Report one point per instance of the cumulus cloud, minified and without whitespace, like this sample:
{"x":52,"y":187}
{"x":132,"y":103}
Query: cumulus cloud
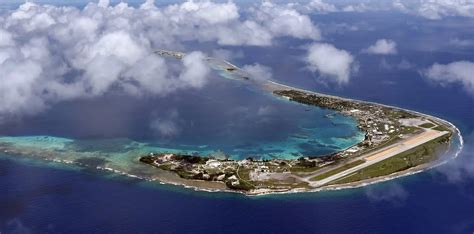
{"x":462,"y":168}
{"x":321,"y":6}
{"x":430,"y":9}
{"x":285,"y":21}
{"x":437,"y":9}
{"x":258,"y":72}
{"x":6,"y":38}
{"x":330,"y":62}
{"x":359,"y":7}
{"x":222,"y":22}
{"x":461,"y":42}
{"x":49,"y":54}
{"x":195,"y":70}
{"x":459,"y":72}
{"x":382,"y":46}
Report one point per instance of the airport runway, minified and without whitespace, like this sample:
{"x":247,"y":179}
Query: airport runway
{"x":385,"y":153}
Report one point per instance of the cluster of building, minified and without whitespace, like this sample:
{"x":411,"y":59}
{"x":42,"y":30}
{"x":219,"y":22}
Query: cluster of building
{"x":176,"y":54}
{"x":379,"y":123}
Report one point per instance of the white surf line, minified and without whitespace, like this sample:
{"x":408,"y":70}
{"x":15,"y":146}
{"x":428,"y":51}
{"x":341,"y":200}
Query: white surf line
{"x":389,"y":152}
{"x":382,"y":179}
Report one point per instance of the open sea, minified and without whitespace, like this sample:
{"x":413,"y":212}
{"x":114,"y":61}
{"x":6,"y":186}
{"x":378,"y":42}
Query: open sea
{"x":230,"y":118}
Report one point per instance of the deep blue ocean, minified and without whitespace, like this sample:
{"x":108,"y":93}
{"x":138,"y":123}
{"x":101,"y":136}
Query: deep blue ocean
{"x":41,"y":197}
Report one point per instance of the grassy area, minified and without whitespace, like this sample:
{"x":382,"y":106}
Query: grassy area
{"x":426,"y":125}
{"x":244,"y":173}
{"x":397,"y":114}
{"x":303,"y":169}
{"x":337,"y":170}
{"x":384,"y":144}
{"x":422,"y":154}
{"x":441,"y":128}
{"x":409,"y":130}
{"x":166,"y":167}
{"x":281,"y":184}
{"x":243,"y":185}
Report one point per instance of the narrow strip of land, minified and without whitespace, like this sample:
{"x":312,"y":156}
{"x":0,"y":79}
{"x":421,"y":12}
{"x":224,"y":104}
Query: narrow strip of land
{"x":383,"y":154}
{"x":395,"y":140}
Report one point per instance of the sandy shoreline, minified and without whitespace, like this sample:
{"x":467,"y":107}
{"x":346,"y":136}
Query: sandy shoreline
{"x":357,"y":184}
{"x":191,"y":184}
{"x":212,"y":186}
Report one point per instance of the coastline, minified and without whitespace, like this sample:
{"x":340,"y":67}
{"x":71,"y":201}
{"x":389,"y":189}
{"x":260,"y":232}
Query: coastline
{"x":354,"y":185}
{"x":365,"y":182}
{"x":270,"y":86}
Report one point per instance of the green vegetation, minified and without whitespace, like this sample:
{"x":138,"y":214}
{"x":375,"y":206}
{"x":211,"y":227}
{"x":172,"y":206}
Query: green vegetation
{"x":409,"y":130}
{"x":166,"y":167}
{"x":391,"y":141}
{"x":426,"y":125}
{"x":422,"y":154}
{"x":441,"y":128}
{"x":397,"y":114}
{"x":243,"y":185}
{"x":337,"y":170}
{"x":244,"y":173}
{"x":192,"y":159}
{"x":184,"y":174}
{"x":279,"y":184}
{"x":147,"y":159}
{"x":303,"y":169}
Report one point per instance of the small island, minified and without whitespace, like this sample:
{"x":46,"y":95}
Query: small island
{"x":397,"y":142}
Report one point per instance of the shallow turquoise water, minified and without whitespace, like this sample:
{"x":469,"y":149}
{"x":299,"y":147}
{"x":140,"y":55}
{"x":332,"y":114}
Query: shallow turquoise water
{"x":250,"y":123}
{"x":230,"y":117}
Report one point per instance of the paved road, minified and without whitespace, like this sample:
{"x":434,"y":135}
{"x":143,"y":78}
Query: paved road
{"x":388,"y":152}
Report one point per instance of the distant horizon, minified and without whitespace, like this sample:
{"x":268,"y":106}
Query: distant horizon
{"x":100,"y":133}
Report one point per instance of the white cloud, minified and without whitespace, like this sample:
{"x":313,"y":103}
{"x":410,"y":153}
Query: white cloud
{"x":150,"y":74}
{"x":462,"y":168}
{"x":221,"y":22}
{"x":49,"y":53}
{"x":456,"y":72}
{"x":209,"y":12}
{"x":195,"y":70}
{"x":437,"y":9}
{"x":461,"y":42}
{"x":76,"y":54}
{"x":17,"y":91}
{"x":321,"y":6}
{"x":103,"y":3}
{"x":358,"y":7}
{"x":285,"y":21}
{"x":430,"y":9}
{"x":258,"y":72}
{"x":6,"y":38}
{"x":330,"y":62}
{"x":382,"y":46}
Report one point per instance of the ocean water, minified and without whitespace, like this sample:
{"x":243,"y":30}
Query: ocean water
{"x":226,"y":118}
{"x":41,"y":196}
